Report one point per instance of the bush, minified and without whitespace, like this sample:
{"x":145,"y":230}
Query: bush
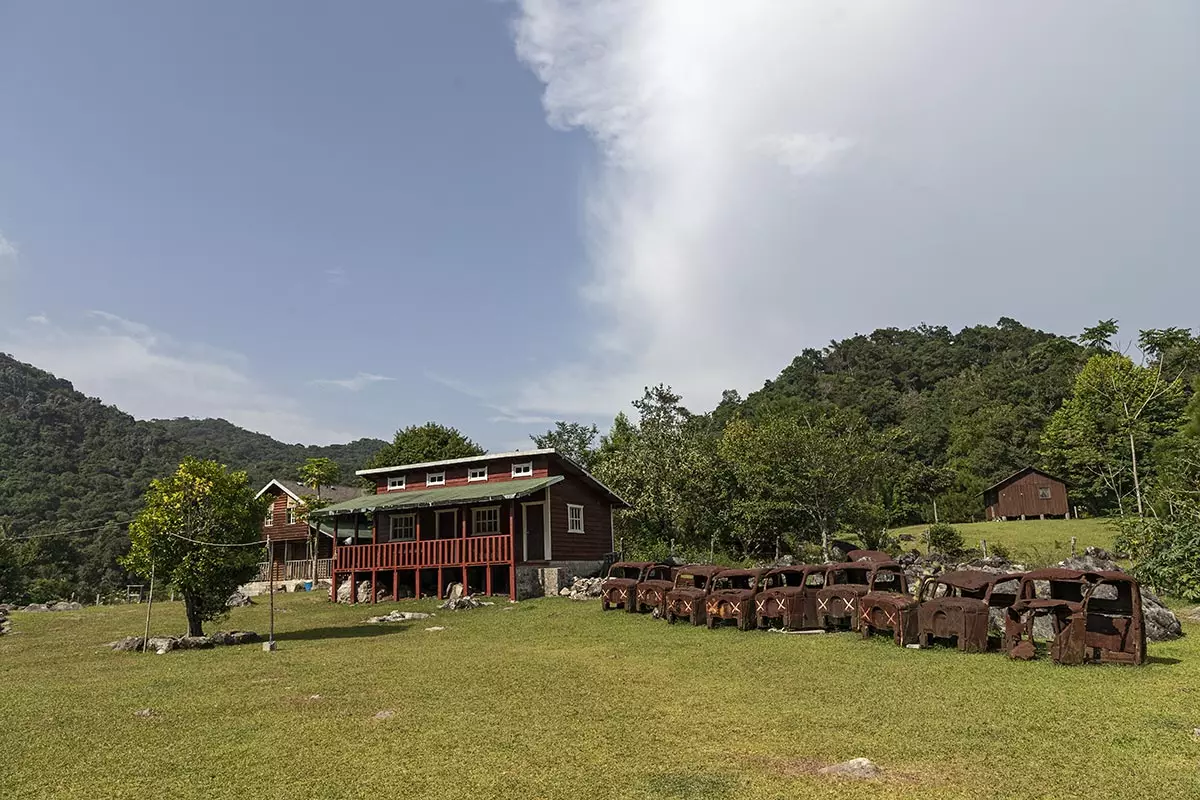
{"x":876,"y":539}
{"x":999,"y":551}
{"x":946,"y":539}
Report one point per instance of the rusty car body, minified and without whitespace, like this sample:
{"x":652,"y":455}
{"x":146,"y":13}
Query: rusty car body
{"x":619,"y":589}
{"x":789,"y":597}
{"x":651,"y":590}
{"x":957,"y":606}
{"x":687,"y":596}
{"x":731,"y":596}
{"x":887,"y":605}
{"x":1097,"y":617}
{"x":837,"y":600}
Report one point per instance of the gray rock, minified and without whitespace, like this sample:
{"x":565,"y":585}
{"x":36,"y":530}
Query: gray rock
{"x":130,"y":644}
{"x":398,"y":616}
{"x":145,"y":713}
{"x":194,"y":643}
{"x":239,"y":600}
{"x":227,"y":638}
{"x":161,"y":644}
{"x":63,"y":605}
{"x":458,"y":600}
{"x":854,"y":768}
{"x":36,"y":607}
{"x":363,"y":592}
{"x":382,"y":715}
{"x":585,"y":588}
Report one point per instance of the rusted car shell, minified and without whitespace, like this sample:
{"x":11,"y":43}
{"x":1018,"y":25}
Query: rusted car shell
{"x":651,"y":592}
{"x":888,"y":609}
{"x":733,"y":602}
{"x":686,"y":598}
{"x":837,"y":602}
{"x":1088,"y":626}
{"x":618,"y":591}
{"x":963,"y":615}
{"x":788,"y":598}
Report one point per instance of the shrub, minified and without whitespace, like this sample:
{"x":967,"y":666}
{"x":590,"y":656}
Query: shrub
{"x":946,"y":539}
{"x":999,"y":551}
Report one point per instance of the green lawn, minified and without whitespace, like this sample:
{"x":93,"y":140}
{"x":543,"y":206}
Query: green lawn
{"x":554,"y":699}
{"x":1035,"y":542}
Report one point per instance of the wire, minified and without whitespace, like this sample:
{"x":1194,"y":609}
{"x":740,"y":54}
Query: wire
{"x":259,"y":543}
{"x":64,"y":533}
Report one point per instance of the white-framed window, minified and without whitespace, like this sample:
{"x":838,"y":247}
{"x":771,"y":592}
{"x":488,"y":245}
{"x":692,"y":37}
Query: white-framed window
{"x":477,"y":474}
{"x":523,"y":469}
{"x":269,"y":519}
{"x":435,"y":478}
{"x":574,"y":518}
{"x":396,"y":482}
{"x":485,"y":520}
{"x":402,"y":528}
{"x":291,"y":512}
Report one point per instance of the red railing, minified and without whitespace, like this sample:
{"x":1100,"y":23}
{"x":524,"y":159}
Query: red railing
{"x":434,"y":553}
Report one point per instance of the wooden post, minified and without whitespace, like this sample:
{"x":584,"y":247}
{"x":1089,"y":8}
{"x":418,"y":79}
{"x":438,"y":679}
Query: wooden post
{"x":271,"y":635}
{"x":395,"y":583}
{"x":440,"y":584}
{"x":1072,"y":545}
{"x":983,"y":547}
{"x":374,"y":587}
{"x":150,"y":605}
{"x":488,"y":580}
{"x":333,"y":584}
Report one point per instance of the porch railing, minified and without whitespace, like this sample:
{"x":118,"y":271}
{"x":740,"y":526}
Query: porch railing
{"x":470,"y":551}
{"x":296,"y":570}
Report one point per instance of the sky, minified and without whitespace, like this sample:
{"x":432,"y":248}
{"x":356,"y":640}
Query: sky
{"x":326,"y":221}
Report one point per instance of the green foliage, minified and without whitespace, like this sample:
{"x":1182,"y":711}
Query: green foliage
{"x":190,"y":533}
{"x":1099,"y":337}
{"x":574,"y":440}
{"x":420,"y":443}
{"x":317,"y":472}
{"x":1165,"y":548}
{"x":945,"y":539}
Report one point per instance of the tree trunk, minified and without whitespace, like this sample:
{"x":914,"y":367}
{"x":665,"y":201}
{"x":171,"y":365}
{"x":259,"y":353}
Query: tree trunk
{"x":194,"y":623}
{"x":1137,"y":486}
{"x":824,"y":541}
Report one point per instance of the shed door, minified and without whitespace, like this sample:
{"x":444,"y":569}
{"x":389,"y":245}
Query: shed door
{"x":533,"y":531}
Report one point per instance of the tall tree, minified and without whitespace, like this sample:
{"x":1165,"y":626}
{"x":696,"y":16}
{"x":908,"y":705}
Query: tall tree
{"x":199,"y":532}
{"x":428,"y":442}
{"x":1099,"y":336}
{"x":574,"y":440}
{"x":1117,"y":410}
{"x":317,"y":472}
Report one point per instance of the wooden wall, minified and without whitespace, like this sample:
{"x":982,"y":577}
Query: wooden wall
{"x":1020,"y":498}
{"x":456,"y":475}
{"x":596,"y":540}
{"x":280,"y":531}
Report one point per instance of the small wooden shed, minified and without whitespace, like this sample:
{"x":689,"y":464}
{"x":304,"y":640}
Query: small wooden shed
{"x":1029,"y":492}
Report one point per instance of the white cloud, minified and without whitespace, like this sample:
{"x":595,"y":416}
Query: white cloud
{"x":8,"y":256}
{"x":356,"y":384}
{"x":777,"y":174}
{"x":335,"y":276}
{"x":149,"y":375}
{"x":38,"y":319}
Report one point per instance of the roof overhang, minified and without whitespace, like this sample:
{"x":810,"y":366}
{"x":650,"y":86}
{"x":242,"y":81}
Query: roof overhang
{"x":452,"y":461}
{"x":278,"y":486}
{"x":436,"y":498}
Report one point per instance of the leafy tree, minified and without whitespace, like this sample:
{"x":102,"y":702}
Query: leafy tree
{"x":946,"y":539}
{"x":1099,"y":336}
{"x":574,"y":440}
{"x":1118,"y":409}
{"x":198,"y":531}
{"x":318,"y":472}
{"x":1164,"y":546}
{"x":12,"y":581}
{"x":429,"y":442}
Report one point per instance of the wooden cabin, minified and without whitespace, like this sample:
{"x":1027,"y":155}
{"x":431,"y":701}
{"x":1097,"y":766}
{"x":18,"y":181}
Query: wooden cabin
{"x":490,"y":522}
{"x":1027,"y":493}
{"x":292,"y":540}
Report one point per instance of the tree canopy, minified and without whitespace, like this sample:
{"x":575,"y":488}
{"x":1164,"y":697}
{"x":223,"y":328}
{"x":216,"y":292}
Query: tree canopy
{"x":416,"y":444}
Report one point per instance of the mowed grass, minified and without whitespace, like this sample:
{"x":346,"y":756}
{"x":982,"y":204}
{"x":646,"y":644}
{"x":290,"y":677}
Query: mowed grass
{"x":555,"y":699}
{"x":1033,"y":541}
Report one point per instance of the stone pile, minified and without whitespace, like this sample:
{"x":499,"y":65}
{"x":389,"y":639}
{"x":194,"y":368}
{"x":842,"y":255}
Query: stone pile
{"x":582,"y":589}
{"x":458,"y":600}
{"x":363,"y":593}
{"x":165,"y":644}
{"x":238,"y":600}
{"x":4,"y":623}
{"x":61,"y":605}
{"x":398,"y":616}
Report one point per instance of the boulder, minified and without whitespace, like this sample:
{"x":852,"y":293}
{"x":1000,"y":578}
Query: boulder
{"x":362,"y":593}
{"x":36,"y":607}
{"x":398,"y":616}
{"x":161,"y":644}
{"x":193,"y":643}
{"x":63,"y":605}
{"x":239,"y":599}
{"x":225,"y":638}
{"x":130,"y":644}
{"x":585,"y":588}
{"x":458,"y":600}
{"x":854,"y":768}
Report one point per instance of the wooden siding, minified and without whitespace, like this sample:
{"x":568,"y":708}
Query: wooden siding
{"x":280,"y":530}
{"x":1020,"y":497}
{"x":596,"y":540}
{"x":456,"y":475}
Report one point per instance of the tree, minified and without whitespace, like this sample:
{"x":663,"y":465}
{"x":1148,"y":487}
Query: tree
{"x":1099,"y":336}
{"x":574,"y":440}
{"x":420,"y":443}
{"x":318,"y":472}
{"x":199,"y":532}
{"x":1163,"y":546}
{"x":1117,"y":410}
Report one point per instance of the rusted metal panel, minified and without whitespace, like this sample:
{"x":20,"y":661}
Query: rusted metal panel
{"x":619,"y":589}
{"x":1097,"y":617}
{"x":957,"y":605}
{"x":837,"y":602}
{"x":731,"y":597}
{"x":887,"y":606}
{"x":789,"y":597}
{"x":686,"y":598}
{"x":651,"y":591}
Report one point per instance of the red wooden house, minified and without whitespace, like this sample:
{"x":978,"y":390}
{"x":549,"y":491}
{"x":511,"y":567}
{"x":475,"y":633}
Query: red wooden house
{"x":292,"y":540}
{"x":1027,"y":493}
{"x":492,"y":522}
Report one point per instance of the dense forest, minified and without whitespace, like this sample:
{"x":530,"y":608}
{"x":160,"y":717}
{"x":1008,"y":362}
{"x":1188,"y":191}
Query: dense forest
{"x":69,"y":462}
{"x":855,"y":439}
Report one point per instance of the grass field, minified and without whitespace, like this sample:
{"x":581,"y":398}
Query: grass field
{"x":553,"y":699}
{"x":1035,"y":542}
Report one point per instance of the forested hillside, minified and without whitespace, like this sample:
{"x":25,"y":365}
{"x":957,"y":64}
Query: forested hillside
{"x":70,"y":462}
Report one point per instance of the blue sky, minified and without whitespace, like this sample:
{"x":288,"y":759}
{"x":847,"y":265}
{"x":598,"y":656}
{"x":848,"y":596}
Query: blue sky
{"x":324,"y":221}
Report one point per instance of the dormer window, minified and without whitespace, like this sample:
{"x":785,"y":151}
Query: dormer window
{"x":477,"y":474}
{"x":435,"y":478}
{"x":523,"y":469}
{"x":396,"y":482}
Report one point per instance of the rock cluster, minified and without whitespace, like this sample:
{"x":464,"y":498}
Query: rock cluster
{"x":4,"y":623}
{"x":165,"y":644}
{"x":362,"y":592}
{"x":61,"y":605}
{"x":582,"y":589}
{"x":398,"y":616}
{"x":238,"y":600}
{"x":458,"y":600}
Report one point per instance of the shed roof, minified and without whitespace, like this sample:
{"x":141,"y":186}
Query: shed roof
{"x":442,"y":496}
{"x":1019,"y":473}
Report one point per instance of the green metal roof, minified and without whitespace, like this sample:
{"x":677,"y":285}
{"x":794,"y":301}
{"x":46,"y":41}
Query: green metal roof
{"x":445,"y":496}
